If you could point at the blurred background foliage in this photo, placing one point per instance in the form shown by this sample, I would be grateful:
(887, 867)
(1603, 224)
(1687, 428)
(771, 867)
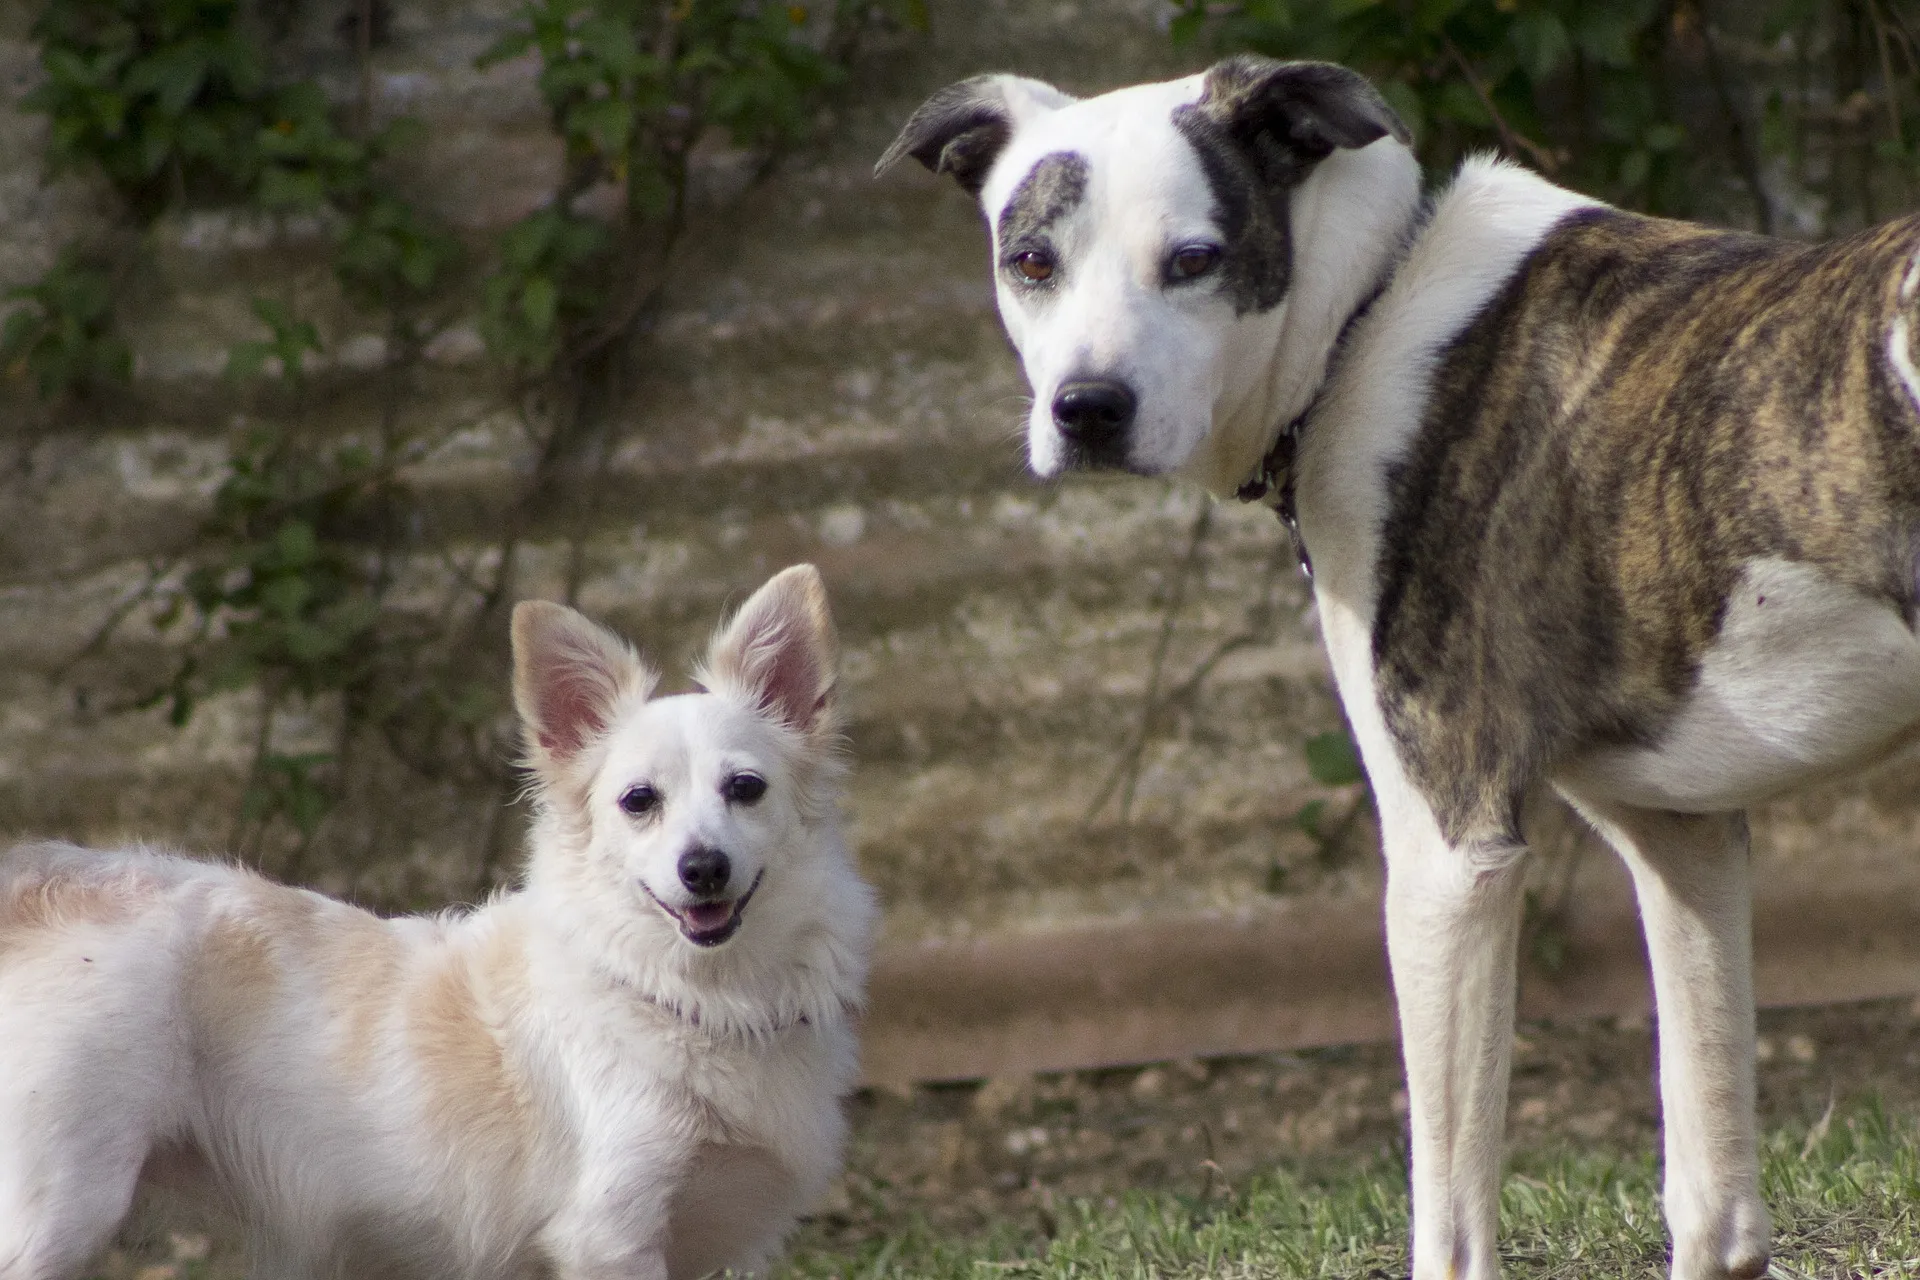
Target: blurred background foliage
(1800, 117)
(284, 588)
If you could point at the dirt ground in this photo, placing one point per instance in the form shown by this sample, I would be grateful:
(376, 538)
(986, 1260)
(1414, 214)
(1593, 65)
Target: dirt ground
(1005, 1151)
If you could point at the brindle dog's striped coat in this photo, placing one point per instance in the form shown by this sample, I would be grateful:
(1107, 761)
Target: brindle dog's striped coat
(1598, 504)
(1645, 409)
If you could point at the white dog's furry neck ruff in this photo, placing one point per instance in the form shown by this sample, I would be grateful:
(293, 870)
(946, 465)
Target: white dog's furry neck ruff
(1357, 211)
(782, 971)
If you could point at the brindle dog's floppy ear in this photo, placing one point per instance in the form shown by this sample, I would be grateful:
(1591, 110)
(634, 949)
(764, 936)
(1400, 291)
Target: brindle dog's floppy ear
(962, 129)
(1309, 109)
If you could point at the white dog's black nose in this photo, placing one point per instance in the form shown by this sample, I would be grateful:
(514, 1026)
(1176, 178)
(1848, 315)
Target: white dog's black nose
(704, 872)
(1092, 412)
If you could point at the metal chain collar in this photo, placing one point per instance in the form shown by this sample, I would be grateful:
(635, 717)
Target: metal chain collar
(1274, 479)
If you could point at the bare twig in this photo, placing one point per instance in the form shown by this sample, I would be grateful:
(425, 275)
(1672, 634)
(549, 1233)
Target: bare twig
(1886, 72)
(1259, 628)
(363, 54)
(1744, 158)
(1818, 1133)
(1331, 842)
(256, 772)
(1550, 907)
(1125, 773)
(157, 570)
(1512, 141)
(1909, 36)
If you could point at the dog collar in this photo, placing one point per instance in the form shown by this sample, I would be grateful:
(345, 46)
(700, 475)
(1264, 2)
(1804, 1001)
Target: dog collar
(1273, 482)
(690, 1015)
(692, 1018)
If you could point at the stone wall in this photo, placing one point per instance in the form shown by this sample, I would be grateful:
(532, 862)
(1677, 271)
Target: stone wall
(828, 383)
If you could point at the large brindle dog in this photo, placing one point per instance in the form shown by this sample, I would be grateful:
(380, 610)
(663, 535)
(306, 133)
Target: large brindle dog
(1597, 504)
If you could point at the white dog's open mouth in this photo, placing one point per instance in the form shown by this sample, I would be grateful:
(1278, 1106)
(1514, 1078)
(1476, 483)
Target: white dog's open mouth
(708, 924)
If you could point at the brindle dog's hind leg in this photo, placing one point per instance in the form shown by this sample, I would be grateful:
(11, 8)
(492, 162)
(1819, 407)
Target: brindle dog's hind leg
(1691, 875)
(1453, 919)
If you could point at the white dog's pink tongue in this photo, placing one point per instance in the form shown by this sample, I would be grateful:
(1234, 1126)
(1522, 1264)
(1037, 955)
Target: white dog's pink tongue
(709, 915)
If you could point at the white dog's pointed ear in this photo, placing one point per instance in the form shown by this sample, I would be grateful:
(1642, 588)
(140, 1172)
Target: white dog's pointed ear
(779, 653)
(962, 129)
(570, 676)
(1310, 109)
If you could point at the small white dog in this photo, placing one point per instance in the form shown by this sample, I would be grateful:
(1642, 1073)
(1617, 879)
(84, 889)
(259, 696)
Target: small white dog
(629, 1067)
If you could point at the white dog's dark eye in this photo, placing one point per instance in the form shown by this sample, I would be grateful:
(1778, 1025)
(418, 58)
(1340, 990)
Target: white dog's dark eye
(1034, 266)
(640, 800)
(1192, 261)
(744, 787)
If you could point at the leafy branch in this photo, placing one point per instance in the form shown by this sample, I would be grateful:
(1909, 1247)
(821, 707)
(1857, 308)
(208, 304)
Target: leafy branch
(1595, 92)
(62, 335)
(284, 589)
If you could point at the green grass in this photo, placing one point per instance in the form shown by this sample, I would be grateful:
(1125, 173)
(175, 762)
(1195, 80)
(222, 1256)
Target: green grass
(1845, 1200)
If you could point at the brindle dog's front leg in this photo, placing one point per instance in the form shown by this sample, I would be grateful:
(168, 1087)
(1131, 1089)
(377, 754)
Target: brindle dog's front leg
(1452, 930)
(1691, 875)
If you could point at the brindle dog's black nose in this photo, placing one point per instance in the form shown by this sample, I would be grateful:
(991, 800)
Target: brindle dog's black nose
(705, 872)
(1093, 411)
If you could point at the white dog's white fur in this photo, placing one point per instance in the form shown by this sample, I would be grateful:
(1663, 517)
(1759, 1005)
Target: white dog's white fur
(1806, 675)
(561, 1082)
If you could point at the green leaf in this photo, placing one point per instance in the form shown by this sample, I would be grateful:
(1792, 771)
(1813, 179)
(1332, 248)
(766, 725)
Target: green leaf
(1664, 137)
(1276, 878)
(1406, 103)
(309, 645)
(1332, 760)
(1431, 15)
(506, 48)
(274, 314)
(539, 303)
(649, 194)
(1541, 42)
(607, 123)
(1187, 25)
(1460, 103)
(1782, 16)
(285, 596)
(63, 334)
(526, 242)
(609, 41)
(1635, 168)
(562, 82)
(1606, 34)
(246, 359)
(282, 188)
(296, 544)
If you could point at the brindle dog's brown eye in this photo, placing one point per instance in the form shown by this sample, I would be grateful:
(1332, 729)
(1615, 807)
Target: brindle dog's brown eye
(1193, 261)
(1034, 266)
